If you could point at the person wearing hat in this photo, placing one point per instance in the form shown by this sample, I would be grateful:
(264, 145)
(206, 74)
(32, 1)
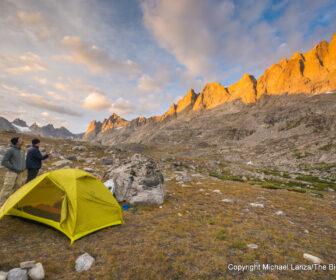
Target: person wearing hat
(34, 160)
(14, 161)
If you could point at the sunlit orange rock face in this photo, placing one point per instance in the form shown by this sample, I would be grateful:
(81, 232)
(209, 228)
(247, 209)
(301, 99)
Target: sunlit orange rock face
(311, 72)
(93, 129)
(113, 121)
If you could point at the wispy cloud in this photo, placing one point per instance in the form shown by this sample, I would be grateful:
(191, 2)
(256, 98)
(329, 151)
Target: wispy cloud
(96, 59)
(29, 62)
(38, 101)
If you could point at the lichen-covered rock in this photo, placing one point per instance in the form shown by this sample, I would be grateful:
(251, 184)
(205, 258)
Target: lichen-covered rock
(138, 181)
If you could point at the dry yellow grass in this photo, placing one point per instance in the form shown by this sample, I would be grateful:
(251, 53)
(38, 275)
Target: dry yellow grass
(158, 243)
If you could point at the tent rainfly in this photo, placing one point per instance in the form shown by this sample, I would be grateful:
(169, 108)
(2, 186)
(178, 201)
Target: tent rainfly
(71, 200)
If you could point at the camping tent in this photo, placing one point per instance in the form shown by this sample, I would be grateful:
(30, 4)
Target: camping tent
(70, 200)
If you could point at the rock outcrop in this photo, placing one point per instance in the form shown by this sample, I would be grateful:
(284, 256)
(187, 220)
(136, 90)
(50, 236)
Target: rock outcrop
(138, 181)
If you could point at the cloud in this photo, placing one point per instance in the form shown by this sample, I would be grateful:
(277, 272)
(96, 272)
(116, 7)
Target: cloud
(122, 107)
(29, 62)
(38, 101)
(180, 28)
(42, 81)
(36, 23)
(96, 101)
(156, 83)
(212, 37)
(96, 59)
(55, 96)
(56, 121)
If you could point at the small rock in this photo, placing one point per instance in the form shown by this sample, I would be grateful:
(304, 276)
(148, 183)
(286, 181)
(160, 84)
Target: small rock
(63, 163)
(280, 213)
(312, 258)
(89, 169)
(28, 264)
(84, 262)
(73, 158)
(252, 246)
(260, 205)
(217, 191)
(179, 214)
(3, 275)
(201, 190)
(227, 200)
(106, 161)
(200, 176)
(306, 231)
(79, 148)
(37, 272)
(330, 190)
(17, 274)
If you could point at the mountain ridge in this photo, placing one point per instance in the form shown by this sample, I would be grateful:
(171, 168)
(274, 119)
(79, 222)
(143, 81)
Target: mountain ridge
(48, 130)
(312, 72)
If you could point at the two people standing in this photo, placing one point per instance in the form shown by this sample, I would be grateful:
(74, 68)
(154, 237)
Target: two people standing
(16, 163)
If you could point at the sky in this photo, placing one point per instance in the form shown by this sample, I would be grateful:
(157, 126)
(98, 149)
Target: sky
(71, 62)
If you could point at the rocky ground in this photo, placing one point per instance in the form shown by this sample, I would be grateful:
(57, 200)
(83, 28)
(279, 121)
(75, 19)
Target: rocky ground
(217, 211)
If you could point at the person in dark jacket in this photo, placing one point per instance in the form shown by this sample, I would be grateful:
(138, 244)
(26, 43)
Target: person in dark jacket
(34, 160)
(14, 161)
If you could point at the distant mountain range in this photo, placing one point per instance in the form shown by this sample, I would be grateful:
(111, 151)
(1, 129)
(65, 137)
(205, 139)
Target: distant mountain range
(49, 130)
(313, 72)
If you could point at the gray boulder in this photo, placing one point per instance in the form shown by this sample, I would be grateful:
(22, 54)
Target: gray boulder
(17, 274)
(138, 181)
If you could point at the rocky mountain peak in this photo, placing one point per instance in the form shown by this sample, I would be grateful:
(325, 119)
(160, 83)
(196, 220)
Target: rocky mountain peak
(211, 96)
(35, 124)
(187, 101)
(114, 121)
(20, 122)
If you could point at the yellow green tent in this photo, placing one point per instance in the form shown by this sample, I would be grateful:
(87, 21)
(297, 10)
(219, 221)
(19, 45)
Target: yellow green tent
(73, 201)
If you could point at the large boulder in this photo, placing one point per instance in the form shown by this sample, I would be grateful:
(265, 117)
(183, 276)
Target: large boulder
(138, 181)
